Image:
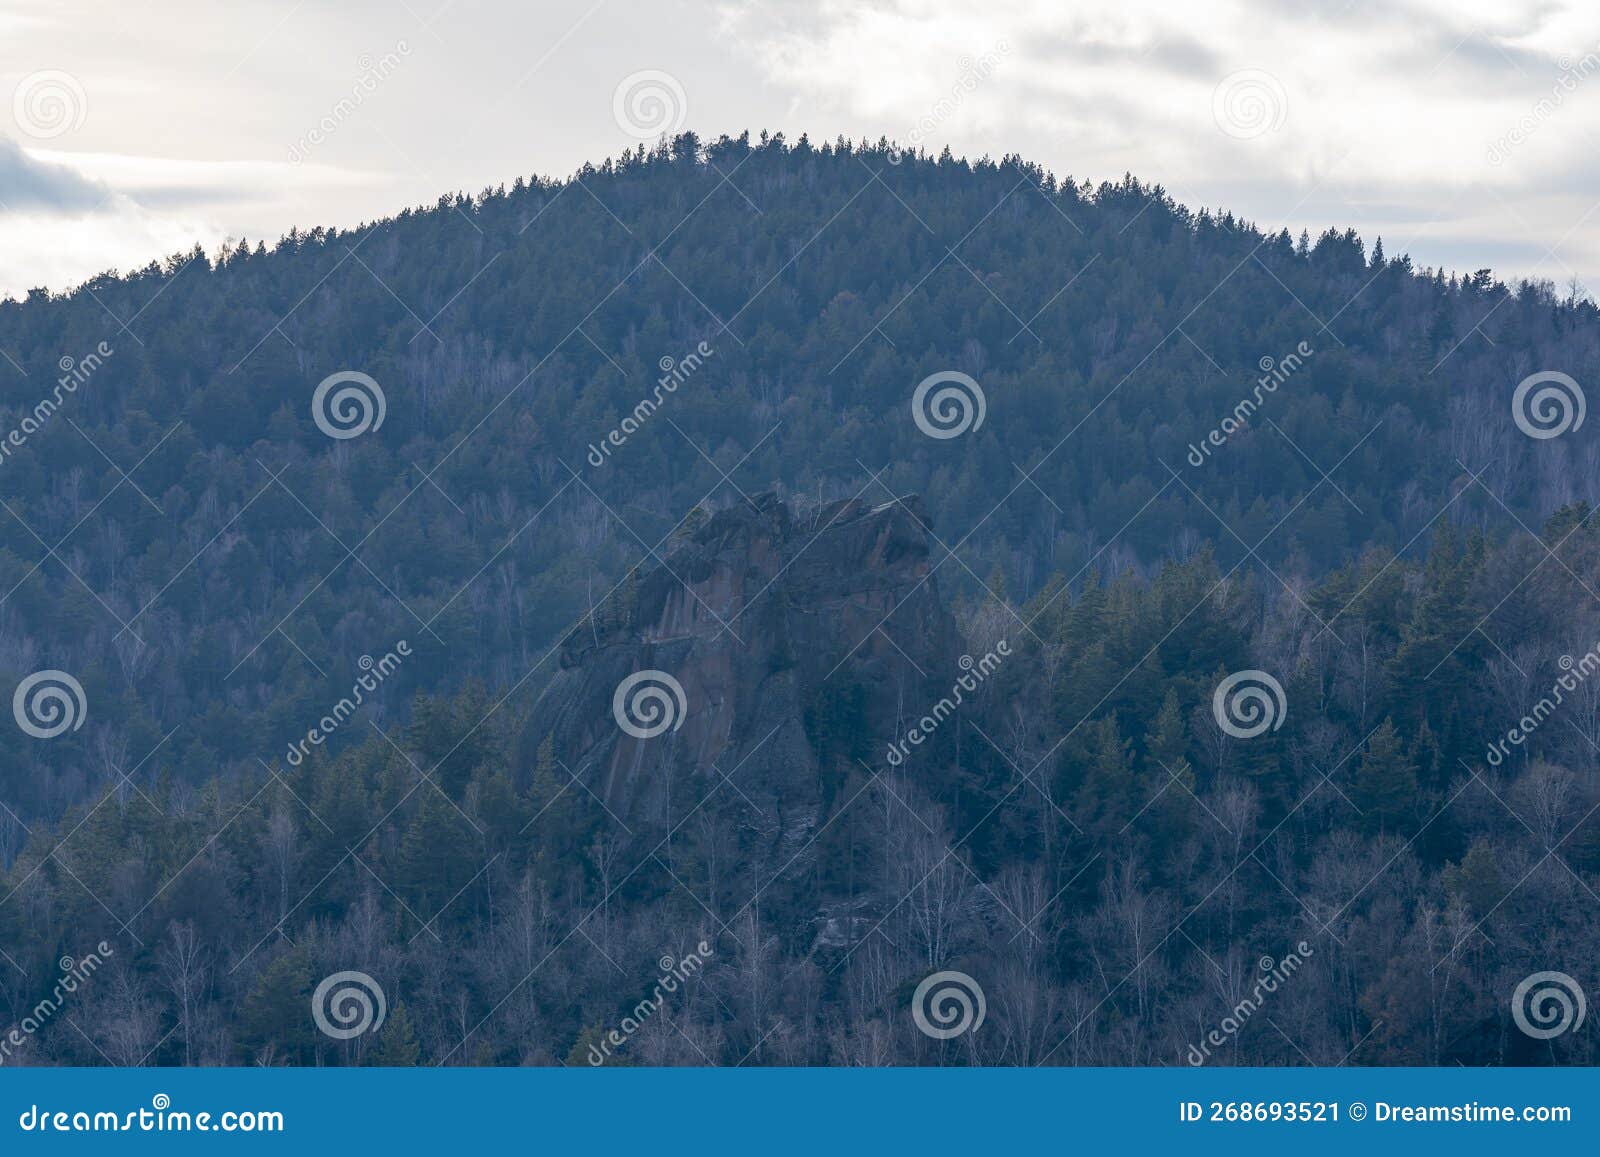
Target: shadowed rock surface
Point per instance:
(792, 637)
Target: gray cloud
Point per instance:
(26, 183)
(1171, 52)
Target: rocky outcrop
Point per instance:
(786, 634)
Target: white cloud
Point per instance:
(1389, 110)
(1377, 107)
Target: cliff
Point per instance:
(767, 647)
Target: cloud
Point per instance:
(66, 217)
(177, 183)
(27, 183)
(1385, 117)
(1437, 119)
(60, 226)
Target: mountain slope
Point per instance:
(328, 573)
(248, 559)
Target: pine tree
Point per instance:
(397, 1041)
(1386, 781)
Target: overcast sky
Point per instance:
(1464, 132)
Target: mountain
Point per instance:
(752, 621)
(751, 662)
(961, 524)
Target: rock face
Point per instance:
(796, 640)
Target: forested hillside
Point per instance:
(183, 535)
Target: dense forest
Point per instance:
(183, 536)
